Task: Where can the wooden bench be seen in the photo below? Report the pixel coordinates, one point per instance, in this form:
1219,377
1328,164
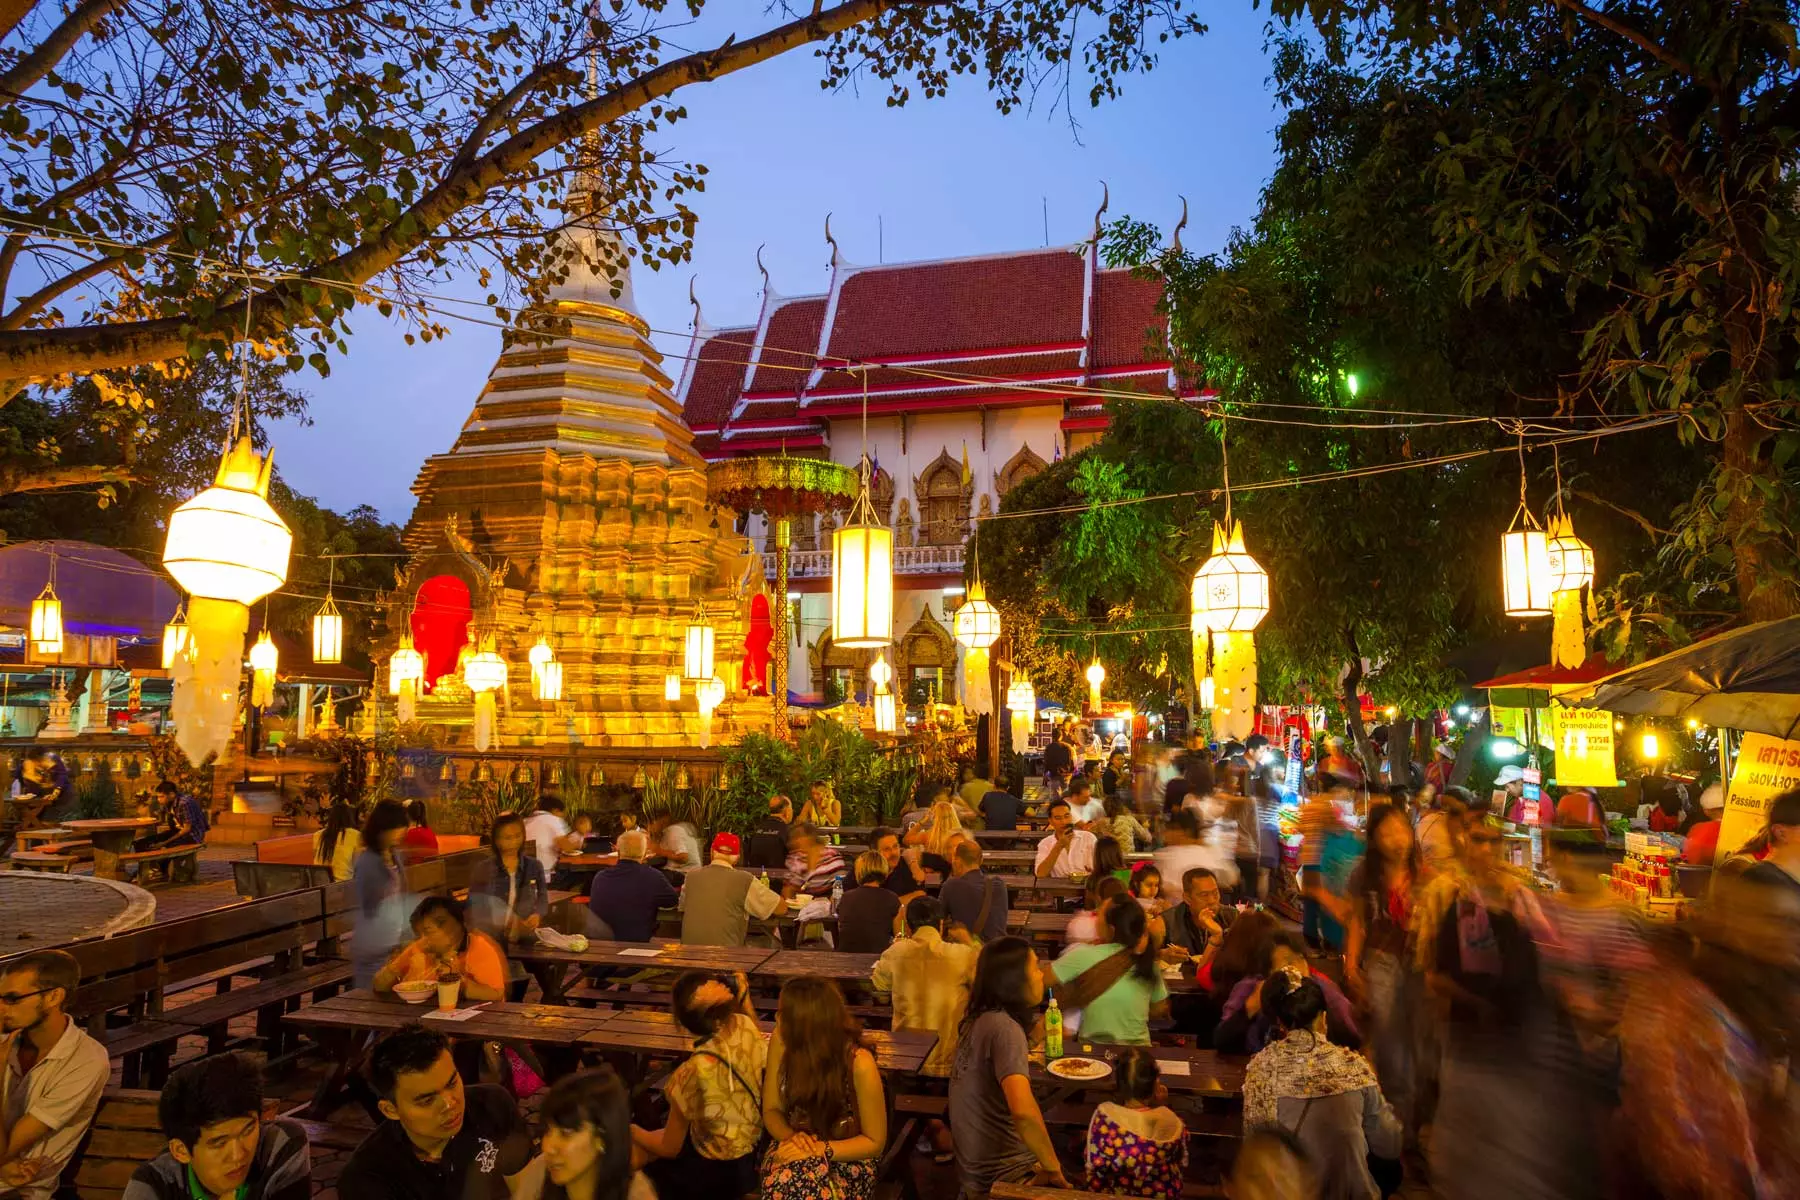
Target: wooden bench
293,849
125,1134
29,838
183,863
257,880
37,860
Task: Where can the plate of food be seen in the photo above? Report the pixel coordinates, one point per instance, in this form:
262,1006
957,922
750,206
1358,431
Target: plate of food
415,992
1079,1068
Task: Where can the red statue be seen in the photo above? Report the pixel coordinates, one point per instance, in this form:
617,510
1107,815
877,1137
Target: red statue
440,625
755,678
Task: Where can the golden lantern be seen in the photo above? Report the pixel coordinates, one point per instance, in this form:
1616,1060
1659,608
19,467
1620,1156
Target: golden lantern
406,666
1525,571
697,661
227,543
263,660
881,673
175,636
977,623
1096,675
1021,702
886,715
485,673
1230,592
862,577
549,682
1208,693
671,688
328,633
1650,748
46,620
539,655
1568,559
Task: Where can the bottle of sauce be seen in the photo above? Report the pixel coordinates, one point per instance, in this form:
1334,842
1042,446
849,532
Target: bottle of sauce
1053,1031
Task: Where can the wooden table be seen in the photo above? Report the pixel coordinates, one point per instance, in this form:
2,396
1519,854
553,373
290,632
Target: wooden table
111,838
552,966
823,964
350,1023
644,1031
1209,1072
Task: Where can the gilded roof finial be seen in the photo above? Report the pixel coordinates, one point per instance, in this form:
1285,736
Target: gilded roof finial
1105,199
763,269
694,300
1175,242
836,257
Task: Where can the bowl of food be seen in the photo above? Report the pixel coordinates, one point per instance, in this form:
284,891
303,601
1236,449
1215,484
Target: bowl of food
416,991
1079,1068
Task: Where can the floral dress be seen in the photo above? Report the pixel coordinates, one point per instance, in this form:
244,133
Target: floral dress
1136,1152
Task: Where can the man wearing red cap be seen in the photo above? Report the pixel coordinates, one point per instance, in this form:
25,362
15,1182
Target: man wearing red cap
718,900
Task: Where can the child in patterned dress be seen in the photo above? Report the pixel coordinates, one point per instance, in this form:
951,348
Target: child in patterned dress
1135,1145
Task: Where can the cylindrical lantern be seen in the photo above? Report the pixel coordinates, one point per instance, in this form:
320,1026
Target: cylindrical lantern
406,666
671,688
328,633
1234,685
862,578
227,543
540,654
1525,571
977,623
1096,675
47,623
1209,692
1230,590
881,674
175,636
550,682
697,659
263,660
1021,702
886,718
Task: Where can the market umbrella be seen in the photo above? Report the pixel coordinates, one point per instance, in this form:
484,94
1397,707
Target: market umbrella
1746,679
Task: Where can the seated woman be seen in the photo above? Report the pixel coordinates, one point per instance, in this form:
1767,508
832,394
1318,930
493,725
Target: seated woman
1324,1094
587,1150
822,1099
508,894
936,836
1136,1146
1084,925
1109,992
708,1148
1245,1024
444,945
812,866
868,912
339,842
420,840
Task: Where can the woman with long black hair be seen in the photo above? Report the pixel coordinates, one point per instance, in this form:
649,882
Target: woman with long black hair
1110,991
587,1144
339,842
995,1121
822,1100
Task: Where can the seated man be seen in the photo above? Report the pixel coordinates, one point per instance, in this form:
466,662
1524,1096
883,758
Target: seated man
1065,851
718,900
54,1073
441,1141
211,1110
628,896
767,846
184,818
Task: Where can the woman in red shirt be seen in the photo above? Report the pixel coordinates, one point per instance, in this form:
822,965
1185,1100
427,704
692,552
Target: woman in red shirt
418,841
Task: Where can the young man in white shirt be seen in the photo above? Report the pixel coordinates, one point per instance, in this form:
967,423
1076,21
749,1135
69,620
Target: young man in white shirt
1084,807
53,1073
549,834
1067,850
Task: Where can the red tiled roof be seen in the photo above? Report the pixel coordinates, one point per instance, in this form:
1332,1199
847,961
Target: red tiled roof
836,384
790,347
965,304
1124,315
718,373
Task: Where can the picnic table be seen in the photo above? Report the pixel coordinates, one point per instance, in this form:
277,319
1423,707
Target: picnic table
1186,1070
645,1031
112,838
552,966
823,964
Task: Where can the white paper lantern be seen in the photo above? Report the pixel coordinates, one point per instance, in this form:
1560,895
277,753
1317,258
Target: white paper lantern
263,660
1208,693
539,655
549,682
1569,560
881,674
227,543
977,623
328,633
862,578
710,693
886,716
697,657
175,636
484,671
1096,675
47,623
671,688
1525,572
407,666
1230,590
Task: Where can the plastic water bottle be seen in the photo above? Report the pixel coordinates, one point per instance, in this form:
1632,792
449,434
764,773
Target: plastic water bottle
763,879
837,892
1053,1030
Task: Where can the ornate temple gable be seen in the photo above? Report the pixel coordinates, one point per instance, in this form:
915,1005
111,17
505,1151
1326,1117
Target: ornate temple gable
943,501
1020,467
927,644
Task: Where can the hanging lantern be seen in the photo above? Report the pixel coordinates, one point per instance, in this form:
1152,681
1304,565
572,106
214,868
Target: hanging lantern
1096,675
46,618
862,577
227,543
671,688
1231,590
1525,569
710,693
227,548
483,772
408,769
1570,563
406,666
485,673
87,764
175,636
328,633
263,660
881,674
539,655
549,684
1021,702
1208,693
886,716
447,772
977,623
697,661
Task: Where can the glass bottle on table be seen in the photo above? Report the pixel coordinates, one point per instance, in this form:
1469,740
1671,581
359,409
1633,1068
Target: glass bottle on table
1053,1031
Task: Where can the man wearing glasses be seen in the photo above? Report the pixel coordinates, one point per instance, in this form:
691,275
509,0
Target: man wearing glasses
54,1073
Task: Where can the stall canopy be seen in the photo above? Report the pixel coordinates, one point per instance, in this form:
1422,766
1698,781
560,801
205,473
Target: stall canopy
104,593
1533,688
1746,679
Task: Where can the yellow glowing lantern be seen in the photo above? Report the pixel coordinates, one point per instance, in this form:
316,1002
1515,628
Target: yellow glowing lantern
539,655
886,716
407,666
1096,675
1021,702
175,636
263,660
697,661
1230,593
1209,692
328,633
1568,559
862,577
977,623
1651,747
1525,570
881,674
549,682
227,543
46,620
671,688
484,671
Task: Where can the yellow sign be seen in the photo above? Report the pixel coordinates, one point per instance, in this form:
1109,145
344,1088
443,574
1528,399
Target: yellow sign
1584,747
1766,767
1508,722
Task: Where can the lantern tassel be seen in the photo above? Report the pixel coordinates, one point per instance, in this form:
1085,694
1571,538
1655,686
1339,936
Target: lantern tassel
484,720
1021,732
406,702
1234,685
1568,639
206,677
262,689
977,694
1094,696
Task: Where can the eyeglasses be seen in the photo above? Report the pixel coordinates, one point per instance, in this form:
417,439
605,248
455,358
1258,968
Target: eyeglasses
11,998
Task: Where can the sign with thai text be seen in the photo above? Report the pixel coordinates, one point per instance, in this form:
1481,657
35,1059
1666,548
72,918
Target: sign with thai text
1766,767
1584,747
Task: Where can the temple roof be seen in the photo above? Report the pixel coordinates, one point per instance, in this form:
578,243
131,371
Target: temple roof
1030,327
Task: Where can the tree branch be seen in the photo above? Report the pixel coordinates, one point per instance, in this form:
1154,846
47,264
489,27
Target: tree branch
1636,37
1639,518
47,53
16,479
12,12
34,354
29,306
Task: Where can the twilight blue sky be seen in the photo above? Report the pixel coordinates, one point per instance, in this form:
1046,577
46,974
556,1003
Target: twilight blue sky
947,177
